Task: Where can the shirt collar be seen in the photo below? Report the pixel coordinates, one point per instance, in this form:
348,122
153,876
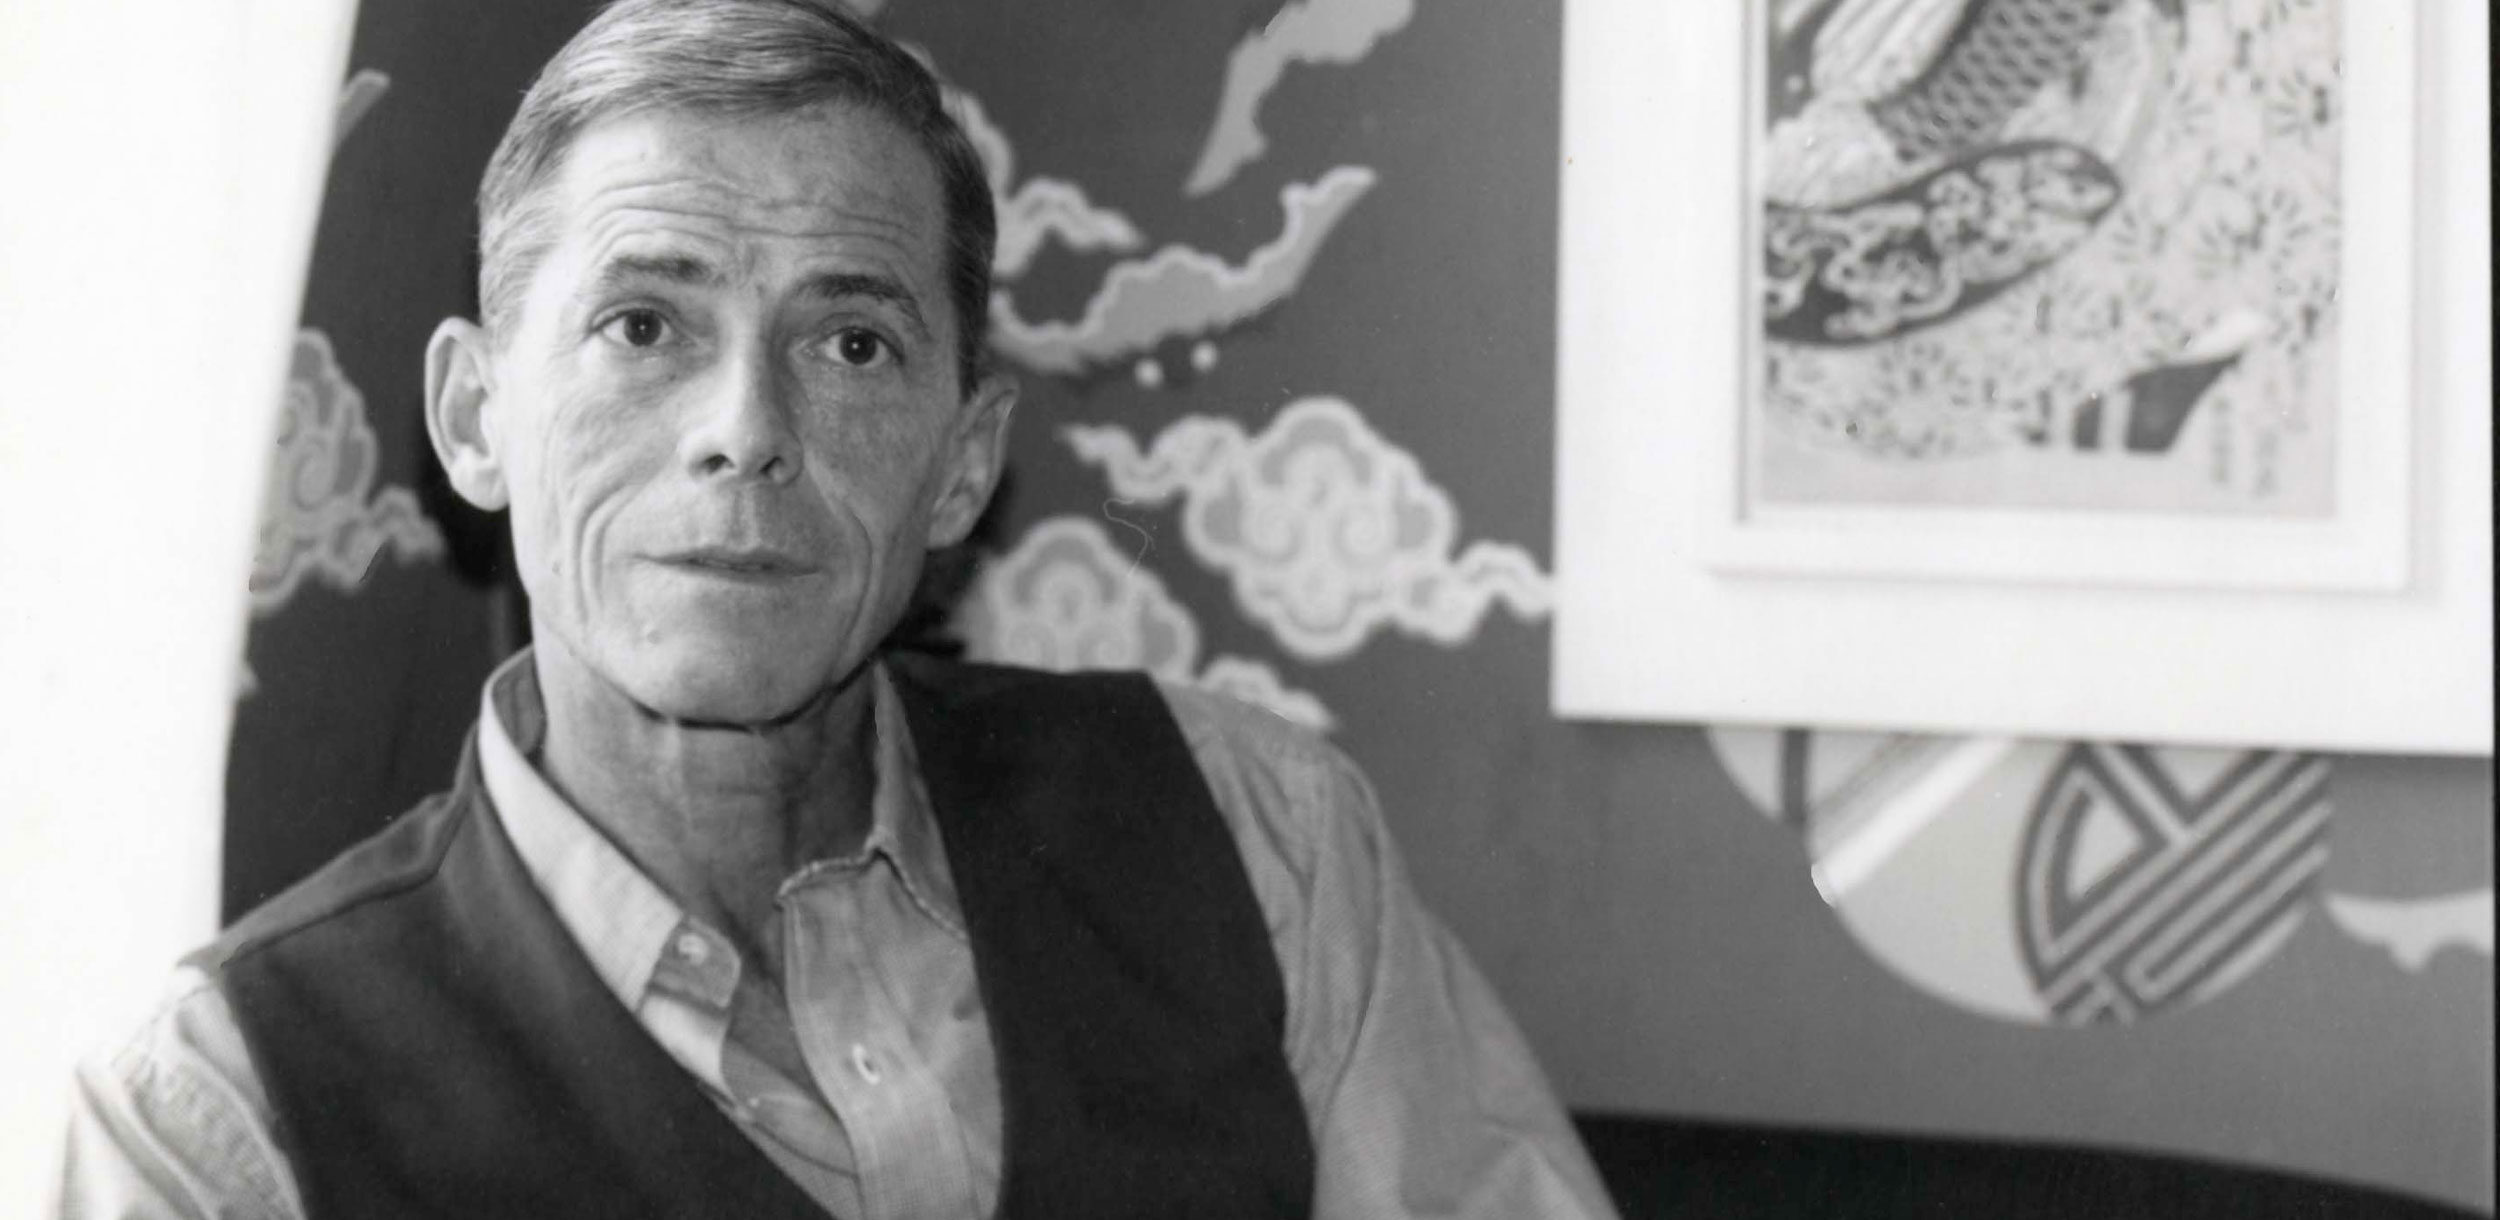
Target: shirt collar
902,830
634,934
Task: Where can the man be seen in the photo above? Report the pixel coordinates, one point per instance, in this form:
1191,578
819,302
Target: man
730,910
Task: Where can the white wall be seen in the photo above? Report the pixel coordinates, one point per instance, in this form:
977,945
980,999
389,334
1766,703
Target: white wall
163,165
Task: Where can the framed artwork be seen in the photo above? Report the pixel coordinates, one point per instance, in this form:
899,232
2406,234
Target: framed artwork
2062,289
2066,367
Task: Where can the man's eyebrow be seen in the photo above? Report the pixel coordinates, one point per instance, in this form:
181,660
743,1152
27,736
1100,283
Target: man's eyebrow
834,286
627,269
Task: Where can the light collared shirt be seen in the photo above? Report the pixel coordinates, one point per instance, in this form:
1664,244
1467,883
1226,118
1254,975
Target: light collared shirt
869,1079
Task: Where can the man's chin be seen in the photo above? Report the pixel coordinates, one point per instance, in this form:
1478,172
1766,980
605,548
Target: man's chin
758,693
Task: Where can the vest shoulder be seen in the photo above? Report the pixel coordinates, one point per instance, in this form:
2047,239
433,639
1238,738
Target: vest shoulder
402,856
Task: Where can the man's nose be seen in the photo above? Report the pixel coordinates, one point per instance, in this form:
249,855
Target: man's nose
745,427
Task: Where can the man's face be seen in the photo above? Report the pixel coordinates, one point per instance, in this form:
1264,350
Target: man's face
728,416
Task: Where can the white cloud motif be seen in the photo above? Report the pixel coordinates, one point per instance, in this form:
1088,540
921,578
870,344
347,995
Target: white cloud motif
356,100
1304,31
1180,291
1176,291
1029,216
1066,598
1328,532
320,515
2414,931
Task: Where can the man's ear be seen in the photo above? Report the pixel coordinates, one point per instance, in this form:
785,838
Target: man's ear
980,453
459,363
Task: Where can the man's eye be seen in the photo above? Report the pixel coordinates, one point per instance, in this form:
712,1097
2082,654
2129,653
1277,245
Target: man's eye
637,328
859,348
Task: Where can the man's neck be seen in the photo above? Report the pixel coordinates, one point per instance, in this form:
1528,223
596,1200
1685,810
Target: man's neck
717,814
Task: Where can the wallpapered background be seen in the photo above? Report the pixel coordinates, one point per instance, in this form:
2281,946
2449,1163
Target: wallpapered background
1279,279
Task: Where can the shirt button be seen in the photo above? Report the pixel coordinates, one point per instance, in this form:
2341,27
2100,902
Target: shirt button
692,948
865,1066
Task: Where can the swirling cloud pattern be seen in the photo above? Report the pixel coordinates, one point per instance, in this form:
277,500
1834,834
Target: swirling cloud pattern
1031,215
1180,291
320,515
1177,291
2413,931
1066,598
1303,32
1329,532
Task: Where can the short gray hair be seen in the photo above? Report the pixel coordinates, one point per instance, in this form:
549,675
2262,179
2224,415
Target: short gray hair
736,58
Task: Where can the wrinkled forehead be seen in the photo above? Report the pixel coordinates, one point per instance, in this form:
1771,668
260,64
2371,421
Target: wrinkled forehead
835,171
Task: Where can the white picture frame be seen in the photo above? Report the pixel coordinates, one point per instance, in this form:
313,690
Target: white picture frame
1667,609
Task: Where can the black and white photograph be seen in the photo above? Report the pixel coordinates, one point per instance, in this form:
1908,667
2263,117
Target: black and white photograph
930,610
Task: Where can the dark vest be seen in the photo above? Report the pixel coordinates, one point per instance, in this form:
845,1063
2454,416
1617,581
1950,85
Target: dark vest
434,1044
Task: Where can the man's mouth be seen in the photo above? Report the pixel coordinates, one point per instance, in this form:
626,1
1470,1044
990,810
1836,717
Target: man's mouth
758,562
